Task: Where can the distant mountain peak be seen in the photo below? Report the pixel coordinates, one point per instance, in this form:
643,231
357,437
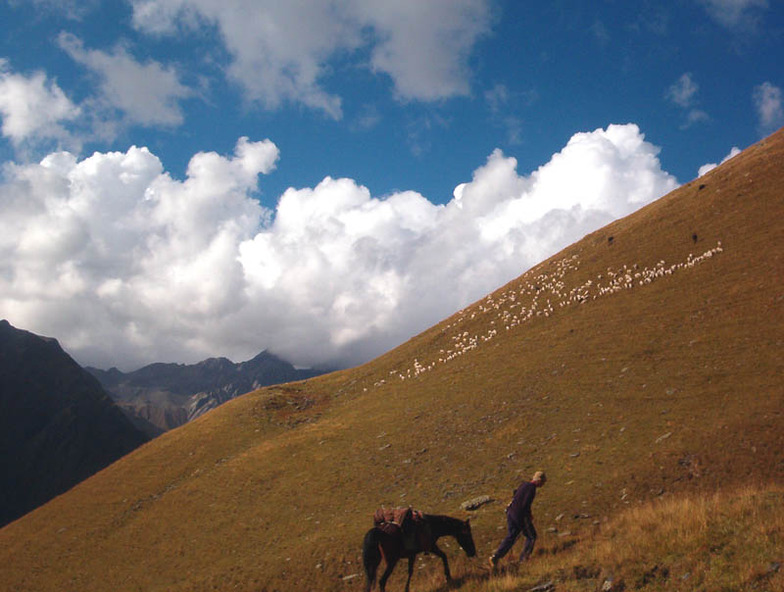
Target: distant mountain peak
168,395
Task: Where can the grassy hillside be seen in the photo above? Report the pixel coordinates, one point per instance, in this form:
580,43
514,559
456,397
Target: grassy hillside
642,363
723,541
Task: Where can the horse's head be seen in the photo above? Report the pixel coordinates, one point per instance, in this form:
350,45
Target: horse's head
466,539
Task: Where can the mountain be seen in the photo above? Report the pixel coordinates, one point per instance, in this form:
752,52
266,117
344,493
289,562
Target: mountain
641,364
169,395
57,425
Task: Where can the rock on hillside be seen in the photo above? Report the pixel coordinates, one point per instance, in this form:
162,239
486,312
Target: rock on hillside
169,395
57,425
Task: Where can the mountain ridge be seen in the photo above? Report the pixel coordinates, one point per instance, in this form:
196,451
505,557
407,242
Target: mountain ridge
170,394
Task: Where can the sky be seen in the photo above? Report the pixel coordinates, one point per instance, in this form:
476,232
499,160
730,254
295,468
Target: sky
324,179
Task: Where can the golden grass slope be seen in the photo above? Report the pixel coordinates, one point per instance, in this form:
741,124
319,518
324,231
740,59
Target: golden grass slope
642,362
730,540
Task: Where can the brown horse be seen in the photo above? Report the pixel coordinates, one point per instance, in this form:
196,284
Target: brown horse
389,544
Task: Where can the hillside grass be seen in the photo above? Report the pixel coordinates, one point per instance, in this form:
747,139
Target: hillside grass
730,540
650,394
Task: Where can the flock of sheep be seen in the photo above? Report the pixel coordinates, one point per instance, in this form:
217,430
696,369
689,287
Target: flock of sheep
541,296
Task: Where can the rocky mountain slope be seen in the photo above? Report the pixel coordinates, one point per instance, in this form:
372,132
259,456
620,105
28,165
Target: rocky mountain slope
642,363
169,395
57,425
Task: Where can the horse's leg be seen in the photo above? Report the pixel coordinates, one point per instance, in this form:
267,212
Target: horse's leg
382,583
436,551
410,571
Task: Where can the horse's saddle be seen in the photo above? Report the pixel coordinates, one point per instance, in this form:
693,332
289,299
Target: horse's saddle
399,516
409,523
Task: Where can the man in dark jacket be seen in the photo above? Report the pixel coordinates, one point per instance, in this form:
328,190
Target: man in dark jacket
519,519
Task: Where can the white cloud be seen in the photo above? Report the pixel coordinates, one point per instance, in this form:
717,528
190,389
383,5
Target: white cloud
683,91
127,265
33,107
768,100
148,94
424,44
735,14
117,258
695,116
281,50
712,165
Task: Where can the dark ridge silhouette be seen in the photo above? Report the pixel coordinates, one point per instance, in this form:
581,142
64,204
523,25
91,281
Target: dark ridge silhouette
57,425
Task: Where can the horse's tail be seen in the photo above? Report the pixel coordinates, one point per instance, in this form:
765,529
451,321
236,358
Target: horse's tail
371,557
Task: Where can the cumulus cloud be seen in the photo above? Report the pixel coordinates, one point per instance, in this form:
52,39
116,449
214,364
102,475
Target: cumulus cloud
33,107
147,94
712,165
767,99
280,50
127,265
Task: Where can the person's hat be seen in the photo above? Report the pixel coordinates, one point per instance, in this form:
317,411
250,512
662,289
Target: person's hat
539,476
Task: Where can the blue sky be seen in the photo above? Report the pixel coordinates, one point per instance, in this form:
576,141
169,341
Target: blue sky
402,159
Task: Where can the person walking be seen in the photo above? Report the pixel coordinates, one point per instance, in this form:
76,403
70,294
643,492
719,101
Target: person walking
519,519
